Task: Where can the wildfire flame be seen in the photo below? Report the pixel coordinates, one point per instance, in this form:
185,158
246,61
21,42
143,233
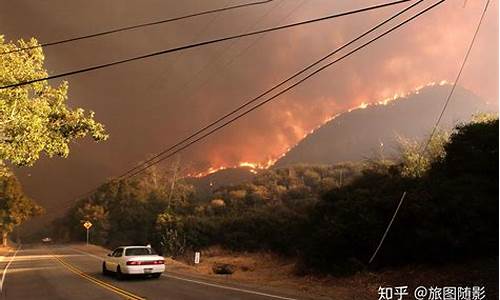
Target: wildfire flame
210,170
256,167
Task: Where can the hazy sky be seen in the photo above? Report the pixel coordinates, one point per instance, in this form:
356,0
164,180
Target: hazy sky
150,104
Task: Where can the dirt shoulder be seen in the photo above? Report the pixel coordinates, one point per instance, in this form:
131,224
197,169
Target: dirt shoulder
4,250
269,271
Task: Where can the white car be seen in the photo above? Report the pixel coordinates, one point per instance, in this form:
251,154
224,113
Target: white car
133,260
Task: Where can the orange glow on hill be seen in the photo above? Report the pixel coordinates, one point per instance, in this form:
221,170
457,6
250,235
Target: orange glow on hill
257,166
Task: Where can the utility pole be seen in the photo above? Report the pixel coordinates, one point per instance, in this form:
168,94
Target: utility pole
174,178
382,150
340,178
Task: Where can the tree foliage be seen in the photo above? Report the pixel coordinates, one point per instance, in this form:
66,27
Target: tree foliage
170,215
15,206
127,211
35,118
416,157
330,217
449,213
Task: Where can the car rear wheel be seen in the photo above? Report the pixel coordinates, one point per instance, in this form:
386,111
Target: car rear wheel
104,269
119,274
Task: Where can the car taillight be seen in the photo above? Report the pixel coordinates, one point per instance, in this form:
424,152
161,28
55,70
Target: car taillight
152,262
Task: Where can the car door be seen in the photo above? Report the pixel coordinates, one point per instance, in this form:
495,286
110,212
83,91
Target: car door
118,257
112,261
109,260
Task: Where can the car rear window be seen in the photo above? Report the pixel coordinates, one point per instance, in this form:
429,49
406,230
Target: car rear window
139,251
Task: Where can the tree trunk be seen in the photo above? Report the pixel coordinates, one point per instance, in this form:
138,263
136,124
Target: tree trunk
4,238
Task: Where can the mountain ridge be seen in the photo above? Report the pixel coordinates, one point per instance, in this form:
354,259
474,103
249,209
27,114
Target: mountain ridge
411,116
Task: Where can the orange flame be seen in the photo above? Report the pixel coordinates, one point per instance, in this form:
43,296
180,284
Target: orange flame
255,167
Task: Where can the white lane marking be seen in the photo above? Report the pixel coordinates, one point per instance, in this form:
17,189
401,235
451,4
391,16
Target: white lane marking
203,282
21,270
230,288
7,267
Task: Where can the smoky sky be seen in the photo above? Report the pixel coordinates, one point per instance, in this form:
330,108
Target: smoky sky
150,104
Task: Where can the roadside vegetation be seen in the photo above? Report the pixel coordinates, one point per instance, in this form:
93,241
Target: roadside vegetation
15,206
35,121
328,218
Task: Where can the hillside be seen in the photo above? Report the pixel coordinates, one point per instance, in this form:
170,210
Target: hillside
220,178
373,131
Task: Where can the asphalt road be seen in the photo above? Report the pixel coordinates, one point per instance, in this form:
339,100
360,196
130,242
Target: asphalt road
60,272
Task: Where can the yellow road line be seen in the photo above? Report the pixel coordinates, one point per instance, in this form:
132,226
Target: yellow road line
123,293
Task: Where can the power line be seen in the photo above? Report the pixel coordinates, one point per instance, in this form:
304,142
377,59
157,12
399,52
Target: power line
268,100
250,45
337,50
215,58
203,83
198,34
287,89
190,93
189,46
457,78
126,28
437,123
388,228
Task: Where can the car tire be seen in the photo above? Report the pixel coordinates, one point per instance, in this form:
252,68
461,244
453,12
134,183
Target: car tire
104,270
156,275
119,274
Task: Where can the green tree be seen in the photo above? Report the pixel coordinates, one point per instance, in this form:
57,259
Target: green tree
415,160
15,207
473,149
98,216
172,238
448,213
35,118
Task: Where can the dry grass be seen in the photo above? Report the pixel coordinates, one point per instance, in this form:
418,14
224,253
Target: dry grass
265,269
4,250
